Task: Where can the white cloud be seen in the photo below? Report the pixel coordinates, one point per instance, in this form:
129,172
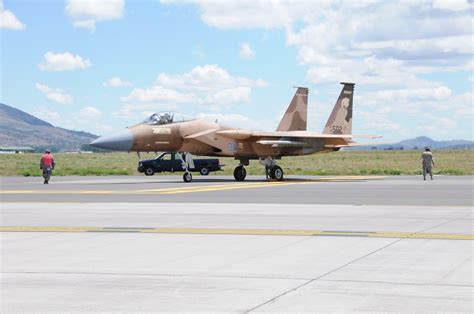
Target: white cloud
207,78
65,61
158,93
246,52
89,113
422,45
209,87
54,94
377,122
116,82
48,115
229,96
451,5
208,84
142,110
247,13
85,13
336,39
432,124
8,20
462,105
437,93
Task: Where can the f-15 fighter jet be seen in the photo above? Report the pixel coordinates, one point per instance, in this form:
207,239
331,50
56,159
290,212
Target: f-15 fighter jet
173,132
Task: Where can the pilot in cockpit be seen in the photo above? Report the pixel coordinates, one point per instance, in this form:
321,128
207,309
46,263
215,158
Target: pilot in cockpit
165,118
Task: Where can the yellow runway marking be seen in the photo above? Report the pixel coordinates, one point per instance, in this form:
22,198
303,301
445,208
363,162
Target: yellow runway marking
232,231
233,187
197,188
193,187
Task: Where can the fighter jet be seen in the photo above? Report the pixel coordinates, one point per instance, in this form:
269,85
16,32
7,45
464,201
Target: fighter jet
173,132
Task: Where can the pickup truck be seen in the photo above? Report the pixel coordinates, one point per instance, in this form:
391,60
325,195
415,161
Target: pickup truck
172,162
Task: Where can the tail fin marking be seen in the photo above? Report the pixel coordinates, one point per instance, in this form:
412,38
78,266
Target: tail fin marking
340,120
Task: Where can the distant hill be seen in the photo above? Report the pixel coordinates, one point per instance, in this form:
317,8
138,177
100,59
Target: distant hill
422,142
18,128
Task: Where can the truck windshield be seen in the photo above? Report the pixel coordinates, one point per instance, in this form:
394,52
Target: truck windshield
168,156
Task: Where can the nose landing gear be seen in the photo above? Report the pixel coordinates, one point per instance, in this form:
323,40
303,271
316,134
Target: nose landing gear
187,162
187,177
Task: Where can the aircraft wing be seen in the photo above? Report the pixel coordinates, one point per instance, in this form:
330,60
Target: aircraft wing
240,134
294,138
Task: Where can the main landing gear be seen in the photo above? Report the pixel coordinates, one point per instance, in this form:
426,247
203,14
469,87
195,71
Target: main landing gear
240,173
275,172
272,170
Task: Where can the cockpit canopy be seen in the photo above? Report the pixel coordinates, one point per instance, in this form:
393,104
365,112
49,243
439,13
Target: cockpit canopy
161,118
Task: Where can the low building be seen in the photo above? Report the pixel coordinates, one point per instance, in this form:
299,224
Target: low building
15,150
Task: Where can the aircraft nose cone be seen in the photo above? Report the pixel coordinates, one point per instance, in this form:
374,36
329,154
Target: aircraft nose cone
122,141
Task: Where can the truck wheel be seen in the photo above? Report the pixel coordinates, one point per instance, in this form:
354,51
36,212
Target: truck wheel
187,177
276,173
204,171
240,173
149,171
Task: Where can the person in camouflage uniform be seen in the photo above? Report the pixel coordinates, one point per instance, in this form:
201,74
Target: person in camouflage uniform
427,163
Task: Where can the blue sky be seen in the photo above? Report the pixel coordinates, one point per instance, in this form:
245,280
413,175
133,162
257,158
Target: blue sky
99,66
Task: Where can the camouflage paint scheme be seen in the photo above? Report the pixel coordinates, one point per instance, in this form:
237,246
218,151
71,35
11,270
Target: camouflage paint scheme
200,137
295,118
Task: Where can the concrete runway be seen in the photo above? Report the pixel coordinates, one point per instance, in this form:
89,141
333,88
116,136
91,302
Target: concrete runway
150,244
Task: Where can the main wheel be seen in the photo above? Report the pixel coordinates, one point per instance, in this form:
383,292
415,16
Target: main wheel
276,173
149,171
240,173
268,172
187,177
204,171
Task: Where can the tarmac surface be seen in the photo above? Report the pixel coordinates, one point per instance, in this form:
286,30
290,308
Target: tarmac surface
307,244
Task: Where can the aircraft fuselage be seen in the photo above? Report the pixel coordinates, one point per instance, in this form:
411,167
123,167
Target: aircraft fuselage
180,137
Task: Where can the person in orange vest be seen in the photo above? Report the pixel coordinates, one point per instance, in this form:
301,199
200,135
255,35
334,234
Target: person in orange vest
47,165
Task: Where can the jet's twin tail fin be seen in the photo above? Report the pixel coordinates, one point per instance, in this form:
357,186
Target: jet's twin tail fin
340,120
296,116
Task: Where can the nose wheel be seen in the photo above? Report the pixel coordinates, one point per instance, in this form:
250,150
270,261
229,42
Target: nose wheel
240,173
187,177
